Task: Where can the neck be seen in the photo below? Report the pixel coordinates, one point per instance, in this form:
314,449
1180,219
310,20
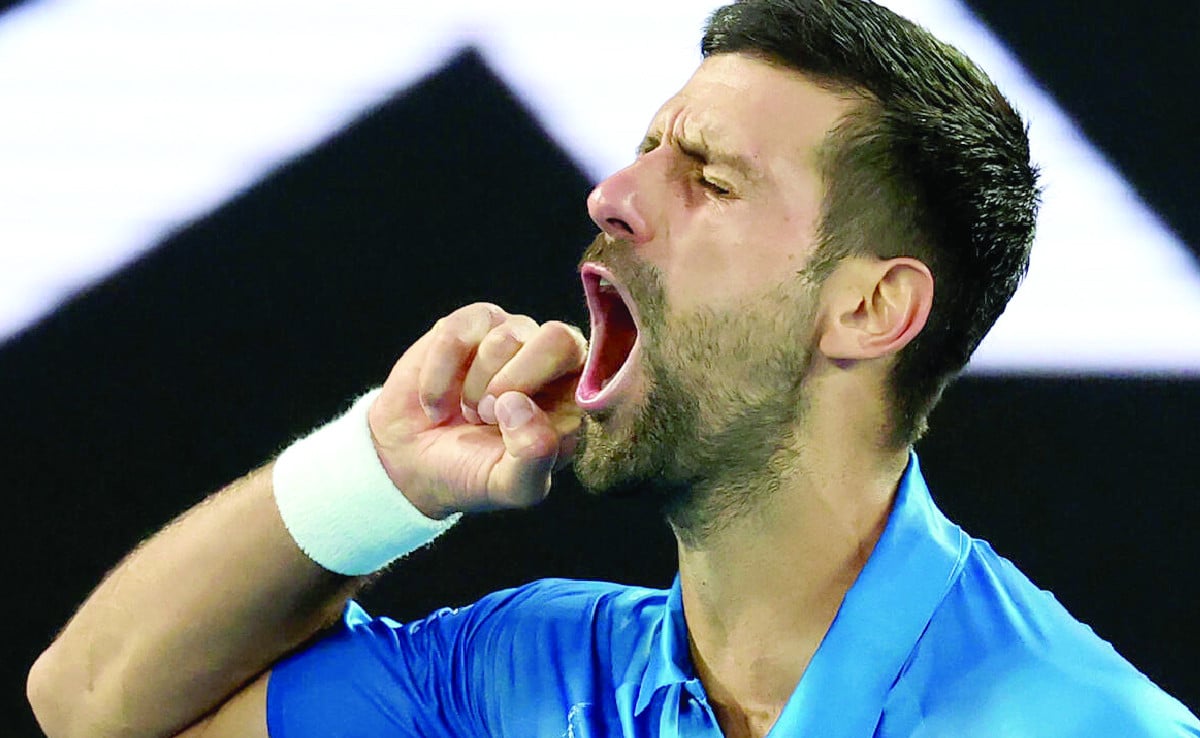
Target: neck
762,584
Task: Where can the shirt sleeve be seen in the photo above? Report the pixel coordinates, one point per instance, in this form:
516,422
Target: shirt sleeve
376,677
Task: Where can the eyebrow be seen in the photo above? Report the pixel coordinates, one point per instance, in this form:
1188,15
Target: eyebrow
700,151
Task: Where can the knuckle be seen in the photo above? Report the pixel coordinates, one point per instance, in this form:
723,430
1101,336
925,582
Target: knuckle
564,338
487,312
523,323
446,330
478,308
499,336
556,331
499,345
497,358
471,317
568,330
451,342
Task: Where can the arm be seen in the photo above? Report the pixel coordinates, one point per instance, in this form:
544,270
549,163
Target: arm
194,613
204,607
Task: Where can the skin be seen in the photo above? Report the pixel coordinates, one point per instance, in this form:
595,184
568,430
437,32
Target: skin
722,388
714,224
477,413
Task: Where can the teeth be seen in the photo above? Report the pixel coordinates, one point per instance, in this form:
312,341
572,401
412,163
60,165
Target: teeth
605,284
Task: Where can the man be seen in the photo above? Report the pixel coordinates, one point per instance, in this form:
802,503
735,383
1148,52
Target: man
819,229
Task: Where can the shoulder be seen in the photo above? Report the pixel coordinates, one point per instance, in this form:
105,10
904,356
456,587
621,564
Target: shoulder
553,602
1004,658
546,615
1030,698
514,654
544,604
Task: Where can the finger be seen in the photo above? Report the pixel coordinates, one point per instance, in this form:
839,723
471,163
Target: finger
469,413
522,476
452,346
568,425
397,408
495,350
555,351
567,446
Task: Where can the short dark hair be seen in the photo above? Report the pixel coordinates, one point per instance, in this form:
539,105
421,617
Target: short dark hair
933,165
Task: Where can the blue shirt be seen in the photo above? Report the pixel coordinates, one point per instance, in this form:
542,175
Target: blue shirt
939,637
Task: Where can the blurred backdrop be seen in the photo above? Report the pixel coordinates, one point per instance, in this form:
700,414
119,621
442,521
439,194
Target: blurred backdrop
220,221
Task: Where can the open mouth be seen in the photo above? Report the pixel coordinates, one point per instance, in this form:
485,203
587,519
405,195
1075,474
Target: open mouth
614,343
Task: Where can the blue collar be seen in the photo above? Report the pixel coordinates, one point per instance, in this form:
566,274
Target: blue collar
916,560
670,660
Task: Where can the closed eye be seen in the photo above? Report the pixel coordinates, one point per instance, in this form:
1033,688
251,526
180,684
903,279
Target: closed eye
715,187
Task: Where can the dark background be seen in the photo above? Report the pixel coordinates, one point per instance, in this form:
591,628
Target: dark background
150,390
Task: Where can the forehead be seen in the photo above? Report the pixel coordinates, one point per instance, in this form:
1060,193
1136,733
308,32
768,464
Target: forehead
753,108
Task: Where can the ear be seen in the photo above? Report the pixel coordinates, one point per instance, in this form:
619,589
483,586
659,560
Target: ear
874,307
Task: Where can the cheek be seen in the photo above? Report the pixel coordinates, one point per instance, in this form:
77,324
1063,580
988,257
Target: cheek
718,257
710,269
725,277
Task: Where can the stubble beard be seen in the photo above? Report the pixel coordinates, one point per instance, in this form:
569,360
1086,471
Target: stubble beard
714,433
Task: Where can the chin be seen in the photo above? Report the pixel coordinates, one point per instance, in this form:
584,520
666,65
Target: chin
607,461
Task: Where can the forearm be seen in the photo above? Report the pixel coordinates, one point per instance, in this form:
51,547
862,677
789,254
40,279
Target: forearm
218,596
186,619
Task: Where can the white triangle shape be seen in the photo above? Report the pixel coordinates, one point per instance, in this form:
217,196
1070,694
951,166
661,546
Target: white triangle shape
96,95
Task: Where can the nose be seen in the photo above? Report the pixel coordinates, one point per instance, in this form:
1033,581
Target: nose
615,206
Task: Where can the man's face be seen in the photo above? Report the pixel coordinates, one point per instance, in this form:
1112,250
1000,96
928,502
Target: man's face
702,340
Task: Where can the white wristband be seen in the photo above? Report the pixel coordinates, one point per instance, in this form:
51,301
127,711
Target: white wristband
339,504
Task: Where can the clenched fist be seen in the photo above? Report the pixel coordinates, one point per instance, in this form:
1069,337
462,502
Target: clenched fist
480,410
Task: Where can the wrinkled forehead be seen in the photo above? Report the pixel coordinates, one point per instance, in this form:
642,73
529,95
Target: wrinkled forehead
753,107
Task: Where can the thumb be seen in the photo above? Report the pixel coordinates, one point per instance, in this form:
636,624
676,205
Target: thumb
522,476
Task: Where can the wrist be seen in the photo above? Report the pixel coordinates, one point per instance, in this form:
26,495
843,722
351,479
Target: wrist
421,496
430,506
340,504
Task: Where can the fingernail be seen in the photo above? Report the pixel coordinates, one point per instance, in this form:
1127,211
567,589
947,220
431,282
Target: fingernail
487,409
514,411
468,414
434,413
